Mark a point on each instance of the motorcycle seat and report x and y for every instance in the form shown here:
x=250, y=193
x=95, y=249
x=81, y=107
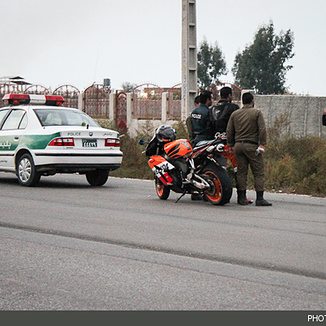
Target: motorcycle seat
x=203, y=143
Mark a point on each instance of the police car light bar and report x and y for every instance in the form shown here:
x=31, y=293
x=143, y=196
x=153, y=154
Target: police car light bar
x=16, y=99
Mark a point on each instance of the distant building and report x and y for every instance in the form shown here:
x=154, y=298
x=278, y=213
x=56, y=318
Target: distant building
x=11, y=84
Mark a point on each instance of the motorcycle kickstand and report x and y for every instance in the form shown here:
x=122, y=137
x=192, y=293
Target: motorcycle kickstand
x=181, y=196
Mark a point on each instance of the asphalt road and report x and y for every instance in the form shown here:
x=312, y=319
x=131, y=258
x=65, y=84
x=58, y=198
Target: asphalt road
x=68, y=246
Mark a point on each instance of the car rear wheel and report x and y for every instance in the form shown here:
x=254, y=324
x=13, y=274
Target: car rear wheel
x=97, y=177
x=26, y=172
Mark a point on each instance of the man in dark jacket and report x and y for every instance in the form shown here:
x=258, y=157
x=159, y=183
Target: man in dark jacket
x=224, y=109
x=200, y=117
x=246, y=137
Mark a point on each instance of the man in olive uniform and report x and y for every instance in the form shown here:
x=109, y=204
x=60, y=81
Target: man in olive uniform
x=246, y=137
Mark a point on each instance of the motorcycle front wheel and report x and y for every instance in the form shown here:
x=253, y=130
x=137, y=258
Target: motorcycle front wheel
x=162, y=191
x=220, y=191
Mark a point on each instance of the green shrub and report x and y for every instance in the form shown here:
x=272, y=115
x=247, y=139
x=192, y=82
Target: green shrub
x=134, y=162
x=181, y=129
x=298, y=165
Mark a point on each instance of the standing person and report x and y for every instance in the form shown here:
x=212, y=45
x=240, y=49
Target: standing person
x=222, y=111
x=197, y=101
x=200, y=117
x=220, y=115
x=189, y=120
x=246, y=137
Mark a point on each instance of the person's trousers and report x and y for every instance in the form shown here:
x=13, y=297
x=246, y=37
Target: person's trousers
x=245, y=154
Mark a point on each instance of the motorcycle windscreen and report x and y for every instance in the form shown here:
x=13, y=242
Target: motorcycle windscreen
x=162, y=169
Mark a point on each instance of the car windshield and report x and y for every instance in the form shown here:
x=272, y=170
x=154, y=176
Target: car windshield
x=63, y=117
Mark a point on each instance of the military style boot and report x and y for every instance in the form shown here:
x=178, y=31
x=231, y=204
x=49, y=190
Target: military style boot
x=242, y=198
x=260, y=201
x=236, y=185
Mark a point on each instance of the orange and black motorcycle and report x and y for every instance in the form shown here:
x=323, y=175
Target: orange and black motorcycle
x=186, y=170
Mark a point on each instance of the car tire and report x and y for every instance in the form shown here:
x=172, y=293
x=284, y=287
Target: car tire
x=97, y=178
x=26, y=171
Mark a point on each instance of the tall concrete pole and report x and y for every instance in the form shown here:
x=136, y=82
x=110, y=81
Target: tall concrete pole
x=189, y=57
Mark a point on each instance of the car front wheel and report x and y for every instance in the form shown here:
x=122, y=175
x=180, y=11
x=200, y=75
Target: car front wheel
x=26, y=172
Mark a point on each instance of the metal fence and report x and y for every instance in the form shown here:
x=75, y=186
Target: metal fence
x=147, y=102
x=69, y=93
x=174, y=102
x=304, y=113
x=96, y=100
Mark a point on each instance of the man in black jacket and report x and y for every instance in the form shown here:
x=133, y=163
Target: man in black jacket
x=222, y=111
x=200, y=117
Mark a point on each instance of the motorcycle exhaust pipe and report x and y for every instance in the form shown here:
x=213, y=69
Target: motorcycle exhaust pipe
x=200, y=185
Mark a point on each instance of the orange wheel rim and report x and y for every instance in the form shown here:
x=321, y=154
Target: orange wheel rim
x=215, y=194
x=159, y=189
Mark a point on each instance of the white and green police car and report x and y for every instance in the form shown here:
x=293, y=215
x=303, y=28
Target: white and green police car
x=39, y=137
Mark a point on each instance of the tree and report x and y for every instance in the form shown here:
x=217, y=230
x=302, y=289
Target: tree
x=128, y=87
x=261, y=66
x=211, y=64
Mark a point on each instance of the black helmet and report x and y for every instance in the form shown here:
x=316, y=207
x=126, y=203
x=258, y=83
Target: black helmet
x=165, y=133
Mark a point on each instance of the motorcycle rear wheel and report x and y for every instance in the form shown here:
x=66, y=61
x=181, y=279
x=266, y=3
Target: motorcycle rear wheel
x=162, y=191
x=221, y=185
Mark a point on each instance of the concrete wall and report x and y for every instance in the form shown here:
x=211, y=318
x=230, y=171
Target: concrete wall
x=304, y=113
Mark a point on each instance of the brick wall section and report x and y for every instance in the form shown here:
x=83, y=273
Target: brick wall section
x=304, y=113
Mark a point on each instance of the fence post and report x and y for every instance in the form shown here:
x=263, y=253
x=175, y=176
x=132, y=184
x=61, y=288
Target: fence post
x=129, y=109
x=81, y=101
x=164, y=107
x=112, y=107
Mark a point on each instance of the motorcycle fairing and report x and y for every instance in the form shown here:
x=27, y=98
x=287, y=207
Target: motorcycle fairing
x=161, y=167
x=178, y=148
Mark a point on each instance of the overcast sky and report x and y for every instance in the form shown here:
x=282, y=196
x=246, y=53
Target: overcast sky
x=78, y=42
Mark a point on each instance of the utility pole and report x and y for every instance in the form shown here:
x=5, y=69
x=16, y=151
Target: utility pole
x=189, y=57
